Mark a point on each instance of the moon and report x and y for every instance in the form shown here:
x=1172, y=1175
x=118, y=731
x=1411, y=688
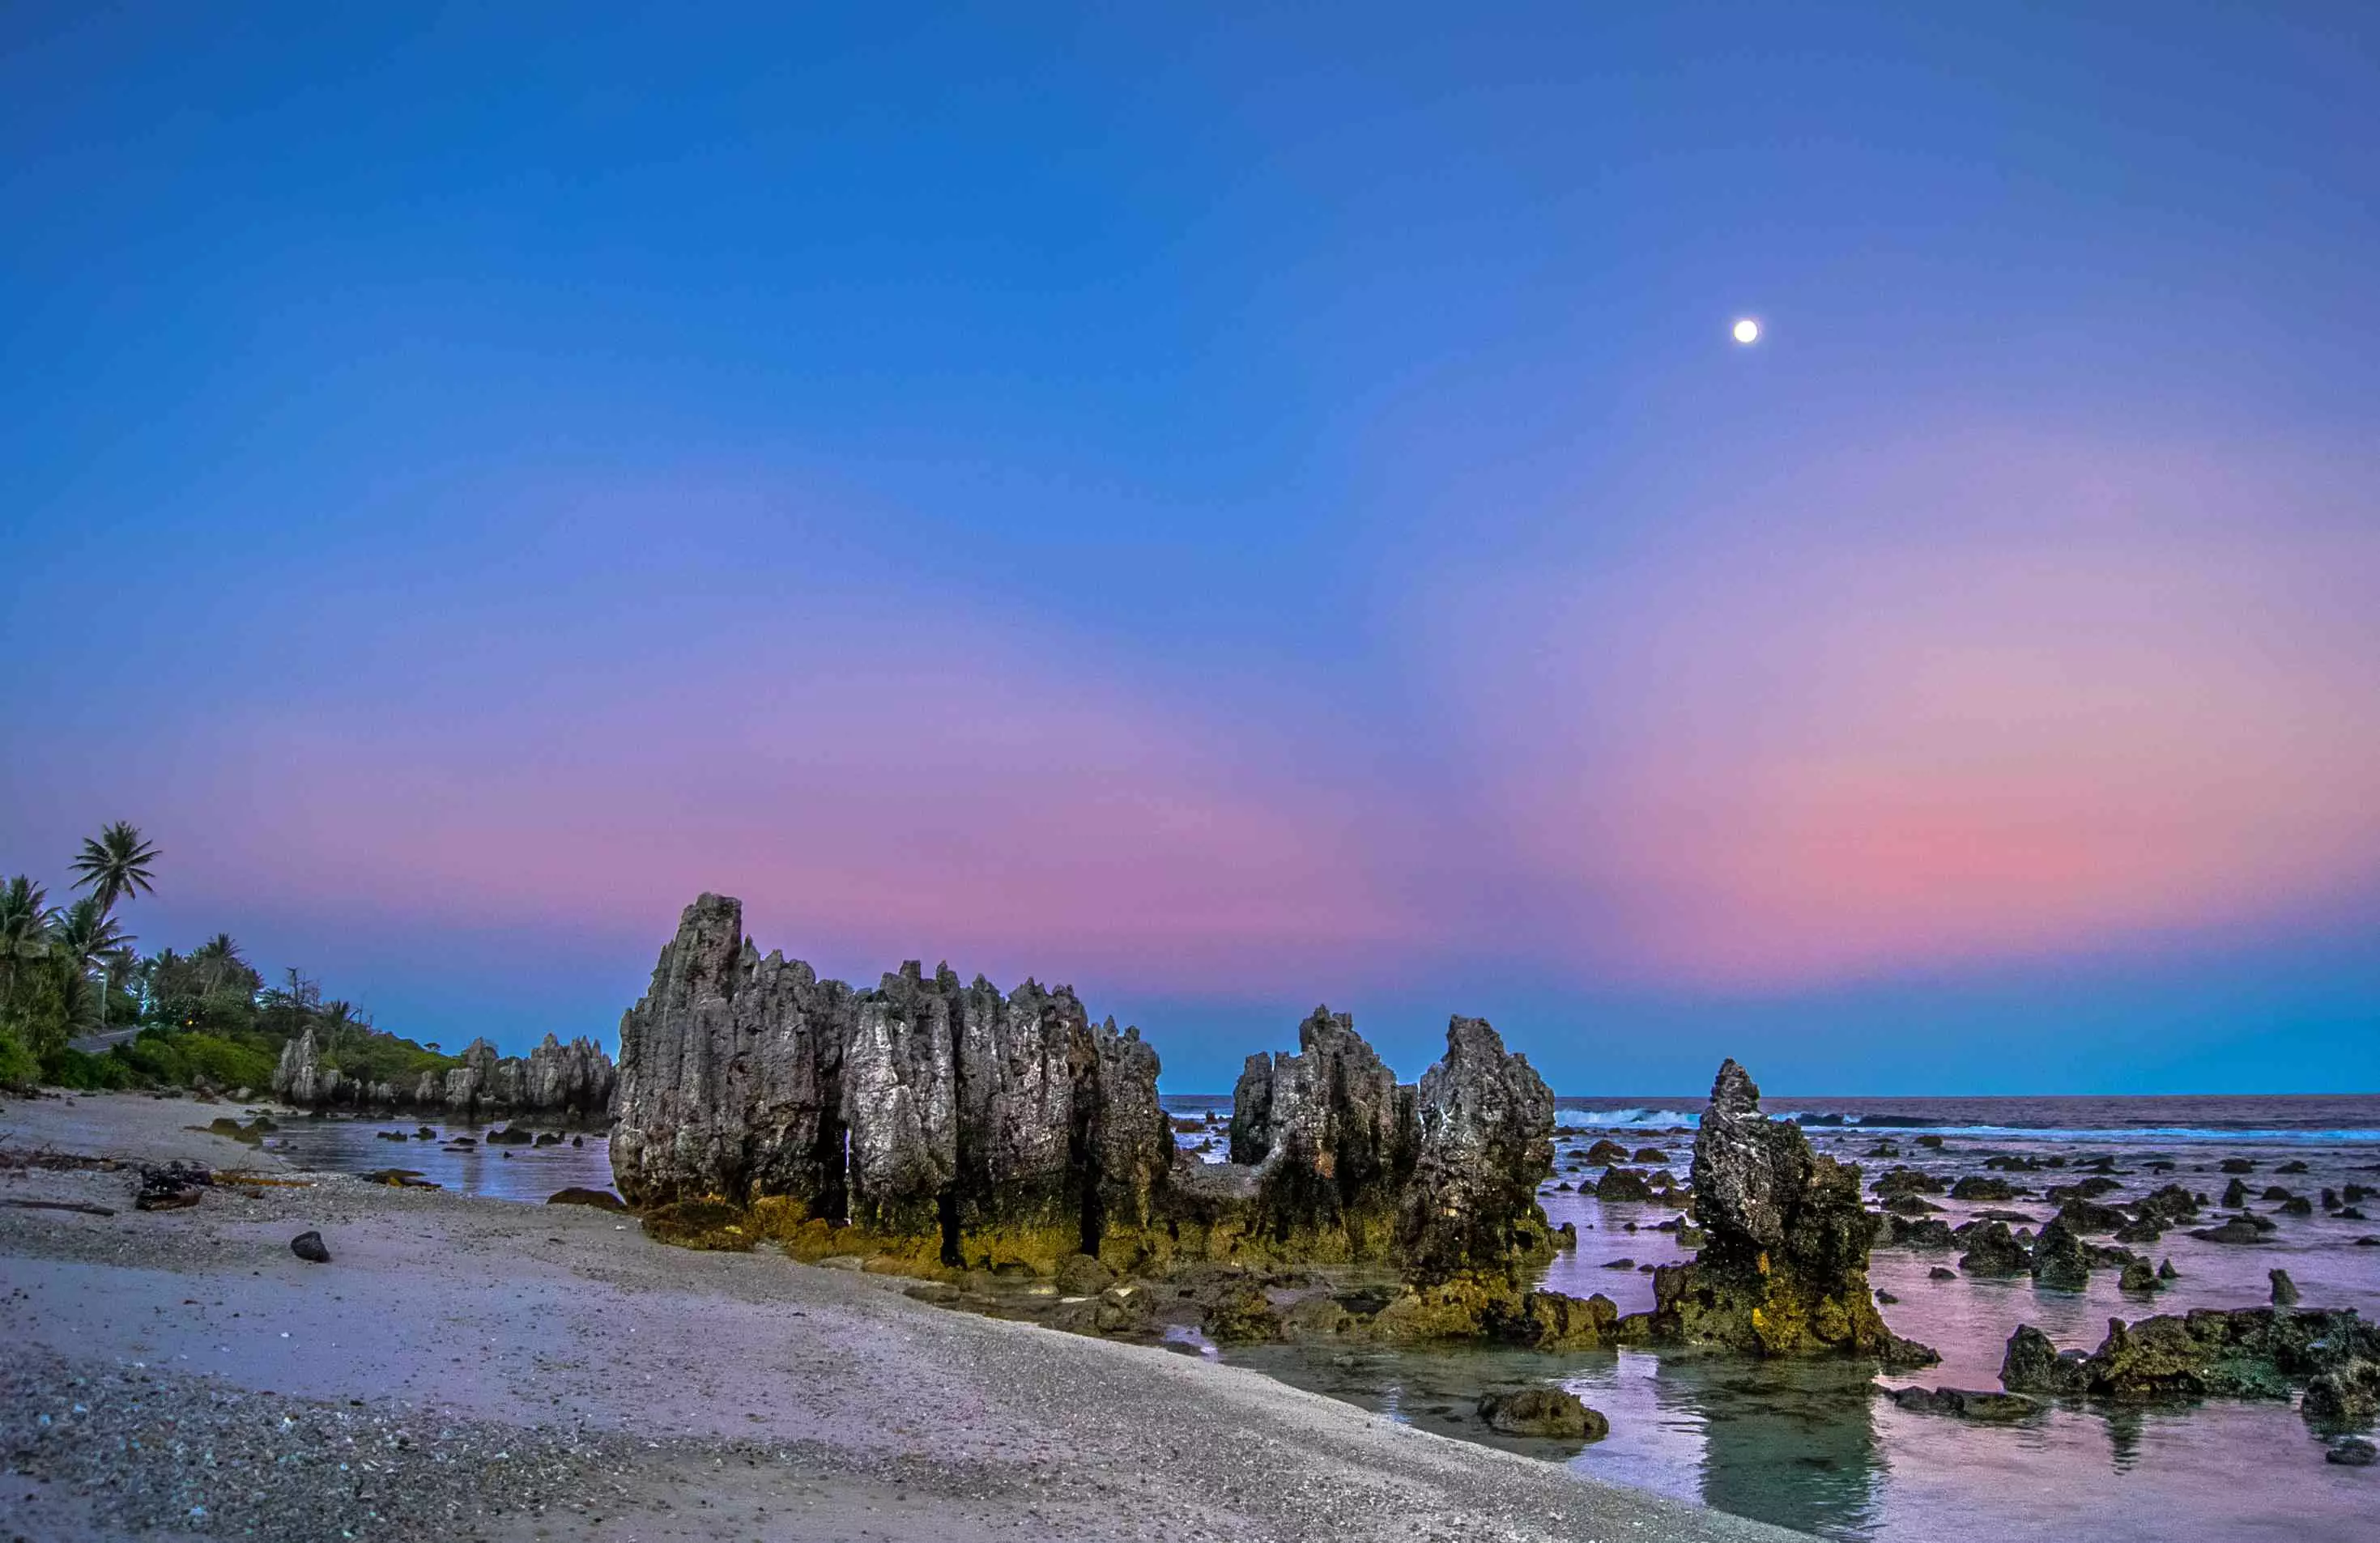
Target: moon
x=1747, y=330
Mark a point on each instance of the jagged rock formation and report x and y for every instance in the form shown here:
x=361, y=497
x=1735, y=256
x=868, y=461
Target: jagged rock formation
x=1334, y=1138
x=1486, y=1140
x=572, y=1080
x=1783, y=1269
x=945, y=1120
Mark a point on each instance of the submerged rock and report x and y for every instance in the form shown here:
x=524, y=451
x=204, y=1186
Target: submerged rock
x=1549, y=1412
x=1783, y=1271
x=1966, y=1404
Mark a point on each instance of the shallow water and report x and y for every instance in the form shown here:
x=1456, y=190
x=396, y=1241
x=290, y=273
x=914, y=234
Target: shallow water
x=1811, y=1447
x=345, y=1144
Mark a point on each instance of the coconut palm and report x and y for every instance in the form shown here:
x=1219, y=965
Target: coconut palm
x=220, y=964
x=115, y=864
x=25, y=923
x=89, y=936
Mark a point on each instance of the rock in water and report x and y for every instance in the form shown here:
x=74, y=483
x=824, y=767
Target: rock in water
x=2244, y=1352
x=2284, y=1291
x=1486, y=1140
x=1333, y=1139
x=1783, y=1271
x=2352, y=1452
x=2061, y=1261
x=1992, y=1249
x=1551, y=1412
x=307, y=1246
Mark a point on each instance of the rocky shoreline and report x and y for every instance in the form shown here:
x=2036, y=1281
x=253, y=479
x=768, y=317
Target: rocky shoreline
x=477, y=1369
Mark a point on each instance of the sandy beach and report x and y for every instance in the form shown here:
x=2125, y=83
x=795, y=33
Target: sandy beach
x=470, y=1369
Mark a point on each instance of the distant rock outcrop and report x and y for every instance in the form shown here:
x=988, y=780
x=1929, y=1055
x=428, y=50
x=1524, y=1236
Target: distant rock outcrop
x=570, y=1081
x=949, y=1122
x=1783, y=1269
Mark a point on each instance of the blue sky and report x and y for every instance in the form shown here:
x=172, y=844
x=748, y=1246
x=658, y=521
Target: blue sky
x=1230, y=510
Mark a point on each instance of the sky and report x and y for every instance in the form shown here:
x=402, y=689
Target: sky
x=1230, y=510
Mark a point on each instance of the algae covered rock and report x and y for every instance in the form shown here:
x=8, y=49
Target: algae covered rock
x=704, y=1224
x=2245, y=1353
x=1783, y=1271
x=1549, y=1412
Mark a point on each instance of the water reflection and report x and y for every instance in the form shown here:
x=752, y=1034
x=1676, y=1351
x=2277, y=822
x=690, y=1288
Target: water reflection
x=579, y=1158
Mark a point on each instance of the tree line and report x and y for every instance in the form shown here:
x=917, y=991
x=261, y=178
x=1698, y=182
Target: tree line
x=204, y=1018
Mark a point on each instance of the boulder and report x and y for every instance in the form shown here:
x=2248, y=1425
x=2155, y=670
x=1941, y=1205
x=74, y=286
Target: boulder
x=1625, y=1184
x=2061, y=1261
x=1549, y=1412
x=2034, y=1365
x=601, y=1199
x=2284, y=1291
x=1992, y=1249
x=1978, y=1186
x=308, y=1246
x=2352, y=1452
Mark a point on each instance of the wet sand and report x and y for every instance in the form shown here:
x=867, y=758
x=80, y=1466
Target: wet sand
x=471, y=1369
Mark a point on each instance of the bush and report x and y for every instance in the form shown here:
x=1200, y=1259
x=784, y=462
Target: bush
x=75, y=1068
x=18, y=1068
x=183, y=1058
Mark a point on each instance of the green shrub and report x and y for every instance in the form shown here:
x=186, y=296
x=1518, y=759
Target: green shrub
x=19, y=1066
x=75, y=1068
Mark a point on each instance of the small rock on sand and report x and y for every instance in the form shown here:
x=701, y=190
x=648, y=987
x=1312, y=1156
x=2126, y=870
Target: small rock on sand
x=307, y=1246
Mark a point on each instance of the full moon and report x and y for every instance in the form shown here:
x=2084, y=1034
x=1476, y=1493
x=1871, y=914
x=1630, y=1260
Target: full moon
x=1747, y=330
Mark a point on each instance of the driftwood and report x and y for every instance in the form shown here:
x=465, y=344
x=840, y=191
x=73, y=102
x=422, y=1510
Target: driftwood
x=60, y=1205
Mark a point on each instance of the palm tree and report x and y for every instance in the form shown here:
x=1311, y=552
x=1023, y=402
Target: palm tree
x=89, y=935
x=116, y=864
x=26, y=922
x=220, y=963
